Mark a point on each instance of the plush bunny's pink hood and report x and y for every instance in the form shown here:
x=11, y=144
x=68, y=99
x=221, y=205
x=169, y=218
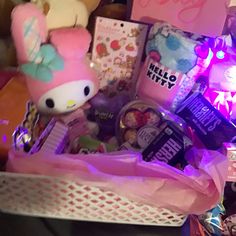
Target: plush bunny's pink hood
x=72, y=45
x=73, y=80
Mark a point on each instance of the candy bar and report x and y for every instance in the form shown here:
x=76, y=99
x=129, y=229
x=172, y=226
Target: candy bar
x=210, y=125
x=168, y=146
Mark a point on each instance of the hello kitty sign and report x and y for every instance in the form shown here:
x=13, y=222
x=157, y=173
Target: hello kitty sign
x=204, y=17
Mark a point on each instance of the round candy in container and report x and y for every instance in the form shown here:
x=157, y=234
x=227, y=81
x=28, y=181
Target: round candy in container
x=138, y=123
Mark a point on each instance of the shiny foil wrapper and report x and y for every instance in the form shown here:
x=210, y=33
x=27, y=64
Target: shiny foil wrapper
x=26, y=134
x=22, y=139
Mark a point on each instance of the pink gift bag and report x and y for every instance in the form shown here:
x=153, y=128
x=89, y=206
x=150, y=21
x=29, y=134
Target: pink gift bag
x=200, y=16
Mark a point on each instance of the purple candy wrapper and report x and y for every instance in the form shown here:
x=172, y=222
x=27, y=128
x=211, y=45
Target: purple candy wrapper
x=210, y=125
x=53, y=139
x=105, y=111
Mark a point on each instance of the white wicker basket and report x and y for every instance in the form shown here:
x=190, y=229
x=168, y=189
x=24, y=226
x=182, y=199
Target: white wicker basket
x=44, y=196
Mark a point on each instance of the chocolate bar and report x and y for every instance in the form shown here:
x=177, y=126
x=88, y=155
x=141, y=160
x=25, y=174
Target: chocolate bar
x=210, y=125
x=168, y=146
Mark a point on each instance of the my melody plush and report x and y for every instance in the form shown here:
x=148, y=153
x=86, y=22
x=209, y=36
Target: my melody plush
x=59, y=76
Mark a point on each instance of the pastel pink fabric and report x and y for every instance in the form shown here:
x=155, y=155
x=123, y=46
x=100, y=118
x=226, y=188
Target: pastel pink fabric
x=74, y=70
x=192, y=191
x=72, y=44
x=20, y=14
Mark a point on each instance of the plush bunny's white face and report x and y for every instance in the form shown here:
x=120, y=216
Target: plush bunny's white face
x=67, y=97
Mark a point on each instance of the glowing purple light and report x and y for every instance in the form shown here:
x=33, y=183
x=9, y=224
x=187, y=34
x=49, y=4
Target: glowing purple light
x=220, y=55
x=4, y=138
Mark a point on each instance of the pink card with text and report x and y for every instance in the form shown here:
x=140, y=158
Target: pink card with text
x=206, y=17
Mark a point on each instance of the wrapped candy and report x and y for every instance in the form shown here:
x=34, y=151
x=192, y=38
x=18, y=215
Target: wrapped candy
x=158, y=134
x=208, y=123
x=138, y=124
x=212, y=220
x=104, y=110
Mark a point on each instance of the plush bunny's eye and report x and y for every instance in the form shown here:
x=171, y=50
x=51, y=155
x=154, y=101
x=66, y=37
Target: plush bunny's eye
x=50, y=103
x=66, y=97
x=86, y=91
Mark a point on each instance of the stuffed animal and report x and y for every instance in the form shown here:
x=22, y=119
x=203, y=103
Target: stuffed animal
x=66, y=13
x=59, y=76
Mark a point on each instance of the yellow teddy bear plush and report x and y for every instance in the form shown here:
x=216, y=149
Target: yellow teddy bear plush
x=66, y=13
